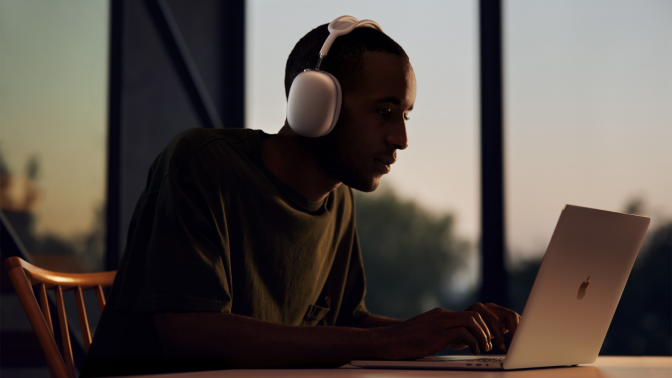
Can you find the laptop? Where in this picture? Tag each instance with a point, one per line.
(572, 302)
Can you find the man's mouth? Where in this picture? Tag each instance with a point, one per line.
(384, 164)
(387, 161)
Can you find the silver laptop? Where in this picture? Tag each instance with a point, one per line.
(573, 299)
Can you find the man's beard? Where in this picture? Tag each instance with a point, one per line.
(338, 158)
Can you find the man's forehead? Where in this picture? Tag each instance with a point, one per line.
(384, 61)
(386, 78)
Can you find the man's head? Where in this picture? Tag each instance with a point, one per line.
(378, 86)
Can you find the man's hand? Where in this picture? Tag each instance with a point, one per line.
(434, 331)
(499, 320)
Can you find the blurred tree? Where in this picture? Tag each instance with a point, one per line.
(93, 242)
(409, 254)
(642, 324)
(85, 248)
(33, 167)
(4, 169)
(521, 279)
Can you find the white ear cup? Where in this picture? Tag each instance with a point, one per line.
(314, 103)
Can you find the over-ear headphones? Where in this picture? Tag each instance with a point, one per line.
(314, 100)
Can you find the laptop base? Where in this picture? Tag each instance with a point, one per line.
(437, 363)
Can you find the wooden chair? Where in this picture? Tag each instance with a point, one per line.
(25, 276)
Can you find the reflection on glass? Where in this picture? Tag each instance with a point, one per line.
(53, 104)
(419, 229)
(589, 123)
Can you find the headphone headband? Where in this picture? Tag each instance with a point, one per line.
(342, 26)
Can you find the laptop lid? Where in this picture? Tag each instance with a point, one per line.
(577, 288)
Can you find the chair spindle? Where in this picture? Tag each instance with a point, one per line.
(44, 303)
(65, 334)
(101, 297)
(46, 313)
(83, 320)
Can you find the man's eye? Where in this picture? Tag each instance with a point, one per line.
(407, 117)
(385, 112)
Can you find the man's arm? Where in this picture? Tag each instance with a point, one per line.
(373, 321)
(236, 341)
(243, 342)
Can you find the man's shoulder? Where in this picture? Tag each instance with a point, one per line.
(191, 142)
(200, 135)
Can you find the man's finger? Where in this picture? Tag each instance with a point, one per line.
(495, 326)
(512, 321)
(480, 320)
(478, 330)
(461, 336)
(509, 318)
(468, 320)
(488, 335)
(458, 346)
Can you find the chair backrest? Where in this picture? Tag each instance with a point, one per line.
(25, 276)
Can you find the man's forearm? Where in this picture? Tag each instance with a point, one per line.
(373, 321)
(235, 341)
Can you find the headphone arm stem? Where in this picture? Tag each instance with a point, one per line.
(319, 62)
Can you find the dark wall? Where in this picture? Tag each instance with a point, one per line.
(155, 83)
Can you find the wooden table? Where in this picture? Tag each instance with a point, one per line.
(604, 367)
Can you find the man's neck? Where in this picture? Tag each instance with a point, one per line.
(293, 160)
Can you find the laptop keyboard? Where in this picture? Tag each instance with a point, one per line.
(486, 360)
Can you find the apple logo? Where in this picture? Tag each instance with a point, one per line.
(582, 289)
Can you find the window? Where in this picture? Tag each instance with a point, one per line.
(53, 110)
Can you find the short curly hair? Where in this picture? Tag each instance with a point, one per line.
(345, 56)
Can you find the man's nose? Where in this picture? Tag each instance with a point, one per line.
(396, 137)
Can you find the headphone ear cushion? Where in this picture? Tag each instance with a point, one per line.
(314, 103)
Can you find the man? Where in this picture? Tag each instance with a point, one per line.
(243, 251)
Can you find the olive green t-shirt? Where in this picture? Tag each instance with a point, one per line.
(216, 231)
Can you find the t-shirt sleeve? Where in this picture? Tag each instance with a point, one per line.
(354, 308)
(177, 256)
